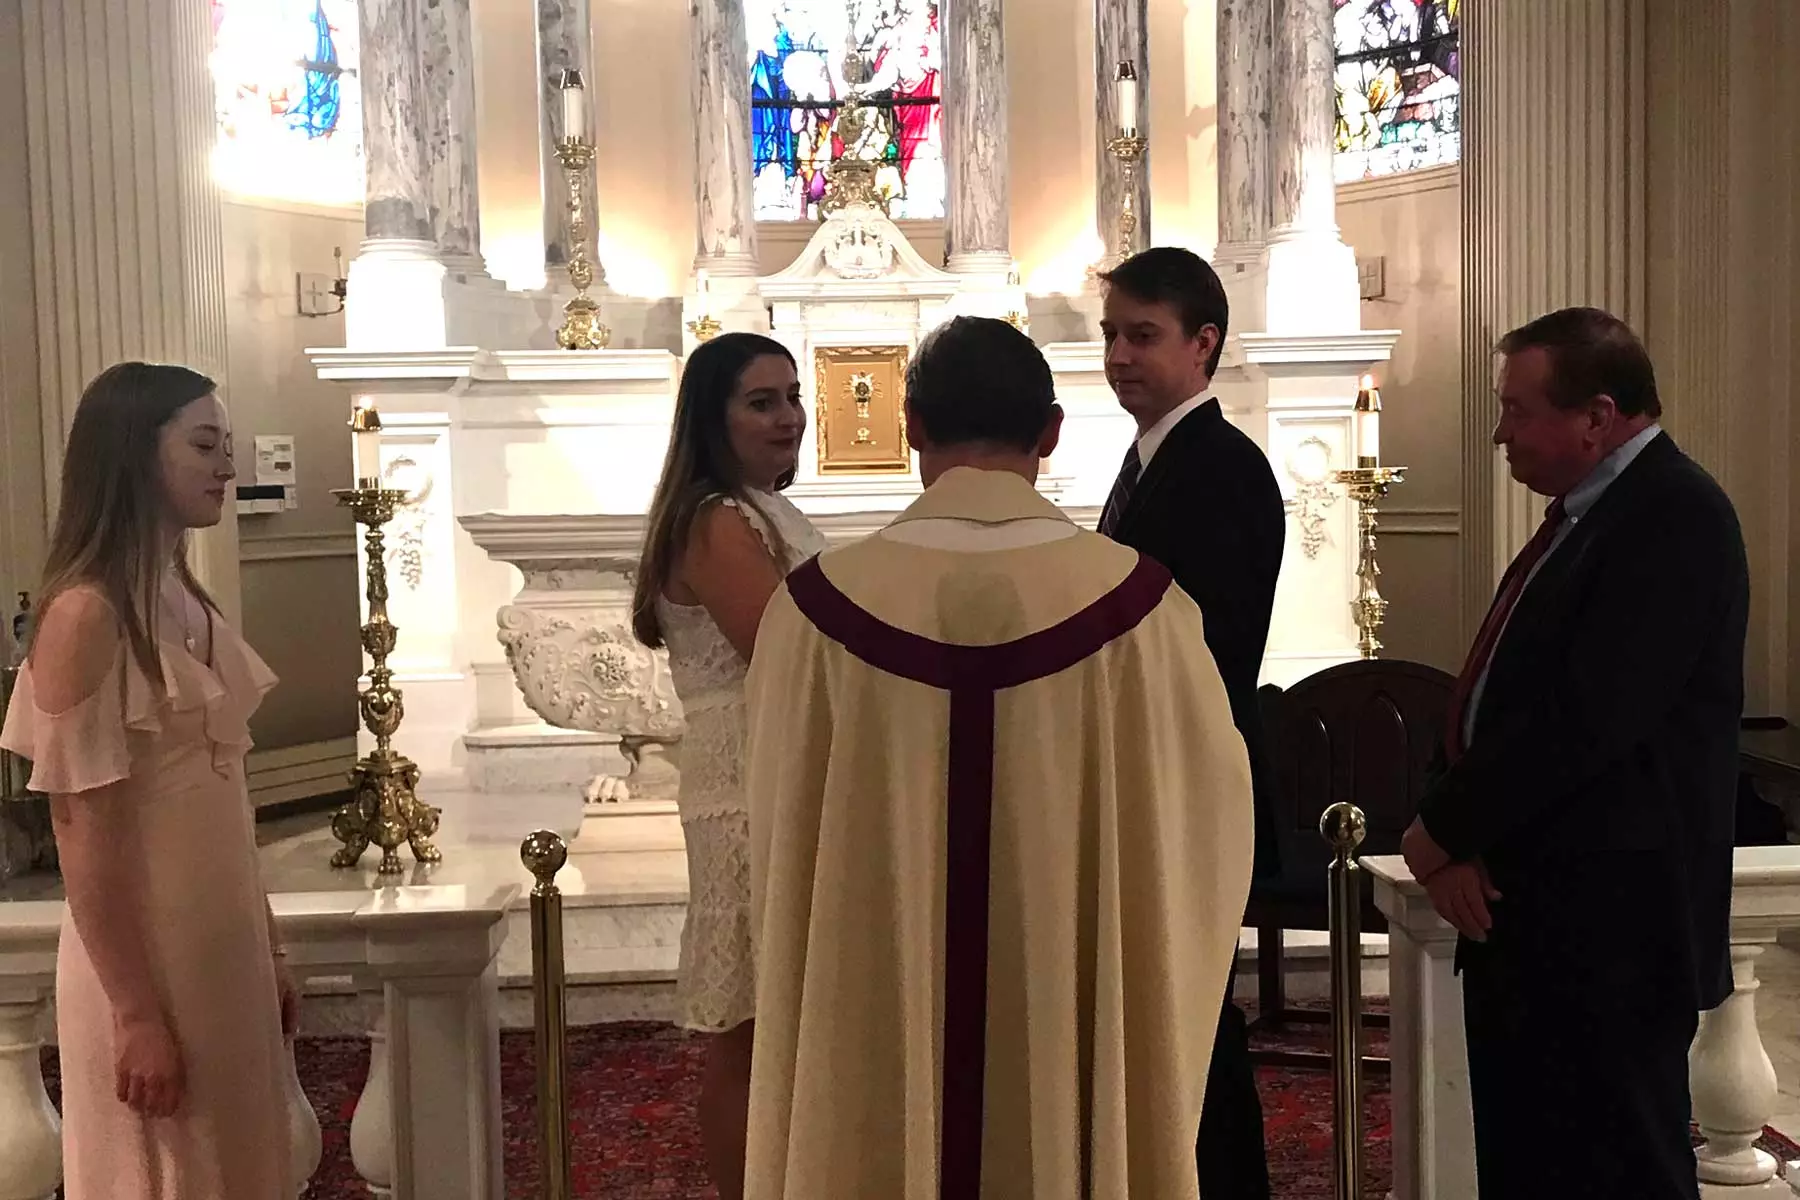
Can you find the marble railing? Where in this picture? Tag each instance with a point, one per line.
(1732, 1080)
(427, 1124)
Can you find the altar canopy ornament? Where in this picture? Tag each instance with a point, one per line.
(384, 808)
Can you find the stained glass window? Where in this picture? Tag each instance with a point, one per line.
(799, 53)
(289, 105)
(1398, 92)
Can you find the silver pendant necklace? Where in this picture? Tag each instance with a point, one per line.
(180, 603)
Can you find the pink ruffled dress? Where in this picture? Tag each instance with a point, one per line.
(181, 746)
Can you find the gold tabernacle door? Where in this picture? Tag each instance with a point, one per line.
(861, 422)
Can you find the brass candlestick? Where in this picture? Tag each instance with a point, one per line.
(581, 327)
(1129, 150)
(1368, 485)
(704, 327)
(383, 809)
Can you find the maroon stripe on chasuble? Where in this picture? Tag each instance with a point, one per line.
(972, 675)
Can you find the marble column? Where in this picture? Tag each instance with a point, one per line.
(975, 141)
(1312, 286)
(722, 167)
(565, 42)
(1245, 60)
(451, 161)
(1120, 36)
(396, 296)
(114, 280)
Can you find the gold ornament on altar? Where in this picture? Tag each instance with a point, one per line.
(384, 809)
(704, 327)
(581, 327)
(1367, 483)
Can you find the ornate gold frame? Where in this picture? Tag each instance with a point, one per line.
(881, 447)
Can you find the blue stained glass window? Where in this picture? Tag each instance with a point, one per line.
(798, 52)
(288, 101)
(1398, 86)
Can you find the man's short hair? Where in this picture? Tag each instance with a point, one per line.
(975, 379)
(1592, 353)
(1182, 280)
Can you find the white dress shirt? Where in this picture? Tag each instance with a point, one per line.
(1151, 439)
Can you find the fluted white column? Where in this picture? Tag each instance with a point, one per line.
(1312, 286)
(565, 42)
(127, 252)
(722, 169)
(975, 141)
(396, 298)
(1120, 36)
(451, 160)
(1553, 215)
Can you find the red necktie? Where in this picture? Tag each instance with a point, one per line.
(1512, 585)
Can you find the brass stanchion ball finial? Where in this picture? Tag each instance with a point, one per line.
(544, 854)
(1343, 827)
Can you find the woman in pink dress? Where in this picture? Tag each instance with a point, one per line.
(171, 1000)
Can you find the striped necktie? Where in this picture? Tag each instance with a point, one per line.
(1120, 496)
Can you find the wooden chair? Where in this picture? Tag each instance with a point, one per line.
(1364, 732)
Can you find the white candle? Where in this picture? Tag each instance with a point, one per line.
(1128, 100)
(367, 442)
(574, 107)
(702, 285)
(1368, 424)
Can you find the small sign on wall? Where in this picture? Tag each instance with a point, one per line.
(1371, 275)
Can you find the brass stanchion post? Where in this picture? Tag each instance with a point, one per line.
(544, 854)
(1343, 827)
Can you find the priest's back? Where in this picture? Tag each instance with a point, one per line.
(1001, 841)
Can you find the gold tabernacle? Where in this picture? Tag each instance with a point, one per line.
(860, 418)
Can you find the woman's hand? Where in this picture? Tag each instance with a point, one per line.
(287, 995)
(147, 1068)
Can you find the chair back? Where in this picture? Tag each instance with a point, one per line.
(1362, 731)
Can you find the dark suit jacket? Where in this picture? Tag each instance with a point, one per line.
(1599, 784)
(1209, 509)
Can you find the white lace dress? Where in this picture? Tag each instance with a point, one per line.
(716, 987)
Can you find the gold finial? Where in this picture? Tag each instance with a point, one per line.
(544, 853)
(1344, 827)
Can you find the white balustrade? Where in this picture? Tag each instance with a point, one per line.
(428, 1122)
(1731, 1078)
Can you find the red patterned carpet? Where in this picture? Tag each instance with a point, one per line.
(634, 1137)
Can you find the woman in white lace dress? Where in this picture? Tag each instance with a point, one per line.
(720, 539)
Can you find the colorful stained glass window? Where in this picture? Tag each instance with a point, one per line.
(289, 105)
(1398, 92)
(800, 51)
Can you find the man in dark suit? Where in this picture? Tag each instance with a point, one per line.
(1196, 494)
(1580, 834)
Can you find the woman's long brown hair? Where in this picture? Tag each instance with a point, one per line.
(111, 520)
(700, 466)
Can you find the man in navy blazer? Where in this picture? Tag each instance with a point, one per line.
(1579, 833)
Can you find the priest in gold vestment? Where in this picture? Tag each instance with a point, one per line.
(1000, 835)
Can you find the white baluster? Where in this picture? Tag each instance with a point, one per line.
(30, 1132)
(372, 1128)
(1734, 1088)
(304, 1135)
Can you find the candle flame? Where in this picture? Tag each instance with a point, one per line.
(1368, 381)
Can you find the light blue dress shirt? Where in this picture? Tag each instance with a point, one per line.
(1577, 504)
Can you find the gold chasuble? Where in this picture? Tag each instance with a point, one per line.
(1000, 846)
